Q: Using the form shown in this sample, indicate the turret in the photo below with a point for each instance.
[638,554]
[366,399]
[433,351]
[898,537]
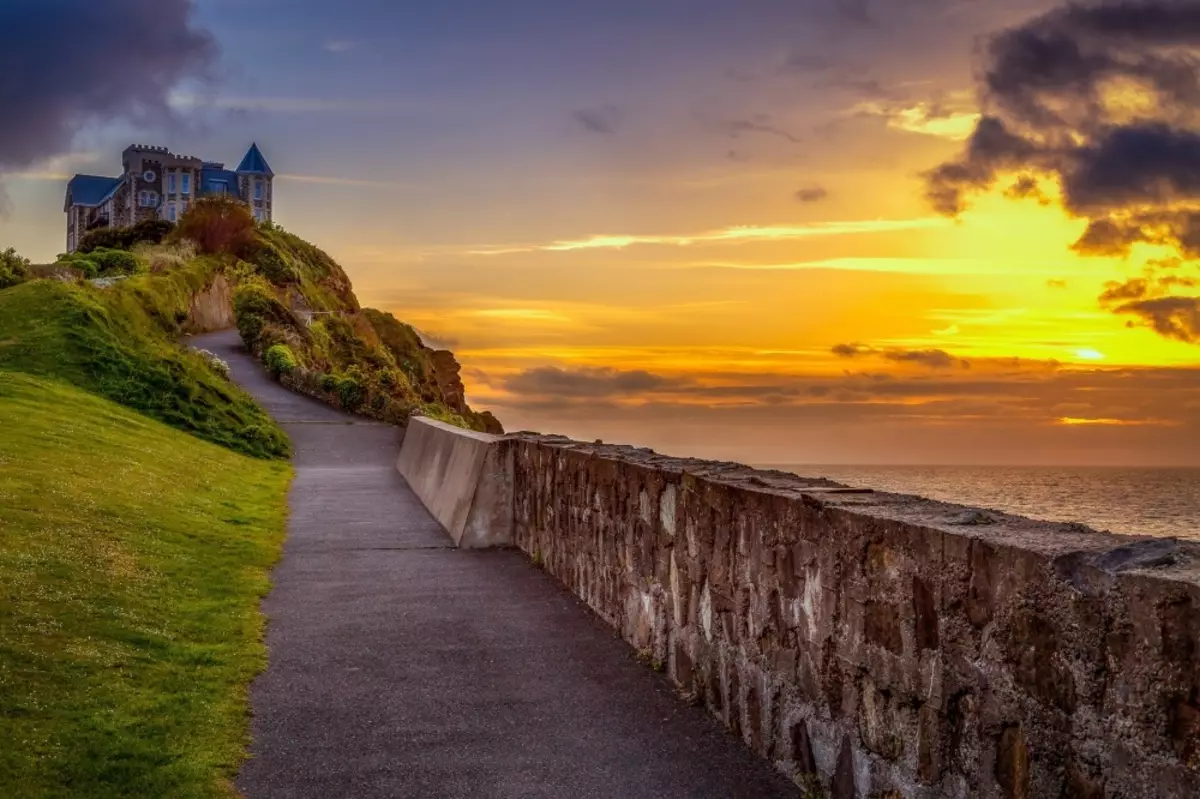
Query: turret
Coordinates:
[254,183]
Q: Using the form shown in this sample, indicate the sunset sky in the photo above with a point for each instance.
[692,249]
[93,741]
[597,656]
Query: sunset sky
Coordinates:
[775,231]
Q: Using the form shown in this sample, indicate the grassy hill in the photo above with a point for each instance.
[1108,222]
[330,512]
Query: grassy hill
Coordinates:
[142,495]
[132,560]
[120,343]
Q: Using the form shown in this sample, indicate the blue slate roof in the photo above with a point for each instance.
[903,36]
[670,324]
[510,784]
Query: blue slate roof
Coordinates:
[254,162]
[213,181]
[91,190]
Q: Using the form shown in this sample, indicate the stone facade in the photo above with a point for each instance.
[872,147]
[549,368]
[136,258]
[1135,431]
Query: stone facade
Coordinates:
[158,184]
[876,645]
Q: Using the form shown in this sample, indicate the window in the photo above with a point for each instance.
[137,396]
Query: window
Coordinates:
[148,176]
[258,189]
[187,183]
[171,183]
[148,199]
[170,212]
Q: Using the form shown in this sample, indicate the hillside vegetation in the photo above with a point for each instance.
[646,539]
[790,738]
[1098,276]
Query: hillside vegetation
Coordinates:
[120,343]
[133,558]
[141,502]
[296,309]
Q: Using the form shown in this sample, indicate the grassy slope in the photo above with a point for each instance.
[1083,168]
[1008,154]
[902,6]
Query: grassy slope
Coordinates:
[132,561]
[119,343]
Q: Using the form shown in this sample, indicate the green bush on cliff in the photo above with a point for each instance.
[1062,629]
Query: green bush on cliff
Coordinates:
[256,309]
[103,262]
[279,360]
[13,268]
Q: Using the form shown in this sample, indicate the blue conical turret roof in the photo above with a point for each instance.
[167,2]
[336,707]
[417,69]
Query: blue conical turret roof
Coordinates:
[254,163]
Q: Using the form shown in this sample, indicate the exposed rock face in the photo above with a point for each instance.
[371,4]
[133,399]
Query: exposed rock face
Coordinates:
[447,373]
[882,645]
[211,309]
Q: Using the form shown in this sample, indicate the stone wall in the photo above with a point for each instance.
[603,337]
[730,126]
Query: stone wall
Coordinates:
[876,645]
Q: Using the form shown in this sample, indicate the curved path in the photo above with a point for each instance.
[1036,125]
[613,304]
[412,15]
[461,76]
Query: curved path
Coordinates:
[402,667]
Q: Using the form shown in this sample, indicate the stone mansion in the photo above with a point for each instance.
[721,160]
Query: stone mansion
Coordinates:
[157,184]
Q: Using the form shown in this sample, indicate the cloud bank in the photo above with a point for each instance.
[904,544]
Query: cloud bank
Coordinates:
[67,63]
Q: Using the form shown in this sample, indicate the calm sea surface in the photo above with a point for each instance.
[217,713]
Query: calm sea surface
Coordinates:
[1159,502]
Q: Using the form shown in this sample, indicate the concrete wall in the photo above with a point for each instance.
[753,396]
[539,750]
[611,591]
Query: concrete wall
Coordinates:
[463,478]
[873,645]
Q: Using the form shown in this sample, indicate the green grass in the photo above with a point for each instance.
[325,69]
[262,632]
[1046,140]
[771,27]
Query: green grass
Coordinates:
[132,561]
[120,343]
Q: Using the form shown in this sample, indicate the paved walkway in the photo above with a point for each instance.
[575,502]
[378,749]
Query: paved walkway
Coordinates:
[401,667]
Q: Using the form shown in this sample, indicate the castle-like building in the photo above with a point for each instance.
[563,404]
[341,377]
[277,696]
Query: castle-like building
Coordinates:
[157,184]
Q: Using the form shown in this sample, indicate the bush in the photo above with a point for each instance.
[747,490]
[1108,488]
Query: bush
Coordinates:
[351,393]
[219,225]
[161,257]
[103,262]
[216,362]
[274,265]
[13,268]
[149,231]
[280,360]
[254,308]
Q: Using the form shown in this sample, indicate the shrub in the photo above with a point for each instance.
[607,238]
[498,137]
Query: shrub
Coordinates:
[13,268]
[103,262]
[327,382]
[351,393]
[148,231]
[254,308]
[280,360]
[116,262]
[219,225]
[216,362]
[274,265]
[161,257]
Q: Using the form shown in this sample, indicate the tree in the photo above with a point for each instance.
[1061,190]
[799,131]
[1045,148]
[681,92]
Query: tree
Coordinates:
[219,225]
[13,268]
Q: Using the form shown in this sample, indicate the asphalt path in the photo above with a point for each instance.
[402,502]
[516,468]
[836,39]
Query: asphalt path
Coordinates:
[402,667]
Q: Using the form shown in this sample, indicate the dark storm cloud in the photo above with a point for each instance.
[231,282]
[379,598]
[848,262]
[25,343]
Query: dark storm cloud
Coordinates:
[852,350]
[1173,317]
[812,194]
[932,358]
[65,63]
[1047,93]
[760,123]
[856,11]
[602,121]
[1043,93]
[599,382]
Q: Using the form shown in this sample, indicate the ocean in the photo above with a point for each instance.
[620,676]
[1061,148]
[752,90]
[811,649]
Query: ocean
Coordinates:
[1148,502]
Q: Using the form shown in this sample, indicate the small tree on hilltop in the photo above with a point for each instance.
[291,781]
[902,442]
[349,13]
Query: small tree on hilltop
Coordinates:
[218,225]
[13,268]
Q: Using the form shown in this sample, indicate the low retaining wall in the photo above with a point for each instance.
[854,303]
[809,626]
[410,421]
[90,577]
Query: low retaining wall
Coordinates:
[877,645]
[463,478]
